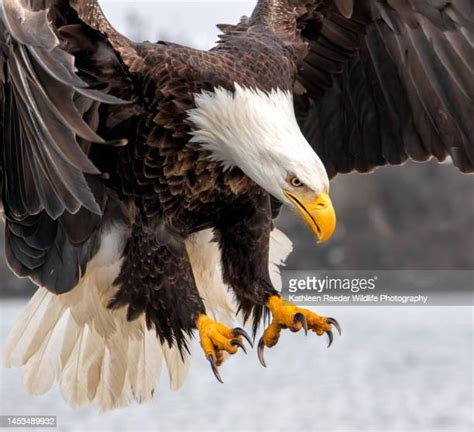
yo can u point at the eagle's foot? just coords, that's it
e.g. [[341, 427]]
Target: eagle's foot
[[286, 315], [216, 339]]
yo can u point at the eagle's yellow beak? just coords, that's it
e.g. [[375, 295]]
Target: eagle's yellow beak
[[318, 213]]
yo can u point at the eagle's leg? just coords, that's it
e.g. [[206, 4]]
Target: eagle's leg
[[245, 249], [157, 280], [216, 339], [286, 315], [244, 240]]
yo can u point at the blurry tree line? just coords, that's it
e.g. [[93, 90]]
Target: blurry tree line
[[417, 216]]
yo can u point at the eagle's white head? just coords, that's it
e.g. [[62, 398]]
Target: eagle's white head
[[258, 132]]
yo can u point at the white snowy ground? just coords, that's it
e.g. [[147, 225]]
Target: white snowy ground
[[394, 369]]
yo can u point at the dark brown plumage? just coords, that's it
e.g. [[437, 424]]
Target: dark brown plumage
[[95, 132]]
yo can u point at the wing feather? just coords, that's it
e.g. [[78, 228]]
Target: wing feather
[[53, 194], [44, 123], [367, 62]]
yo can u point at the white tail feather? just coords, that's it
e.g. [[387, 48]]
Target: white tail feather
[[112, 390], [146, 359], [95, 353], [42, 370], [177, 368], [23, 339], [82, 370]]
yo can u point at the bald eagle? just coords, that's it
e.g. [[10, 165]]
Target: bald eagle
[[140, 180]]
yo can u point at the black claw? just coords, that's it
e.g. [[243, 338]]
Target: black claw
[[260, 349], [335, 324], [302, 319], [212, 361], [330, 336], [241, 332], [236, 342]]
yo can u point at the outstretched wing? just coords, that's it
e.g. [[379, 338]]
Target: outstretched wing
[[65, 77], [50, 113], [62, 67], [387, 80]]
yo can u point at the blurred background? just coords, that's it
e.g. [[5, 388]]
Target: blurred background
[[399, 368]]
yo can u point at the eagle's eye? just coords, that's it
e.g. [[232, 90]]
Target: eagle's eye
[[296, 182]]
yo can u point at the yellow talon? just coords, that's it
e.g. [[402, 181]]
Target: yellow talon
[[214, 336], [287, 315], [216, 339]]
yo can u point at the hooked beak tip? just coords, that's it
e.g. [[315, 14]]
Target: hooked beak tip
[[317, 212]]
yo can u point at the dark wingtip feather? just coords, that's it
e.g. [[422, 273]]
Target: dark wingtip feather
[[406, 92]]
